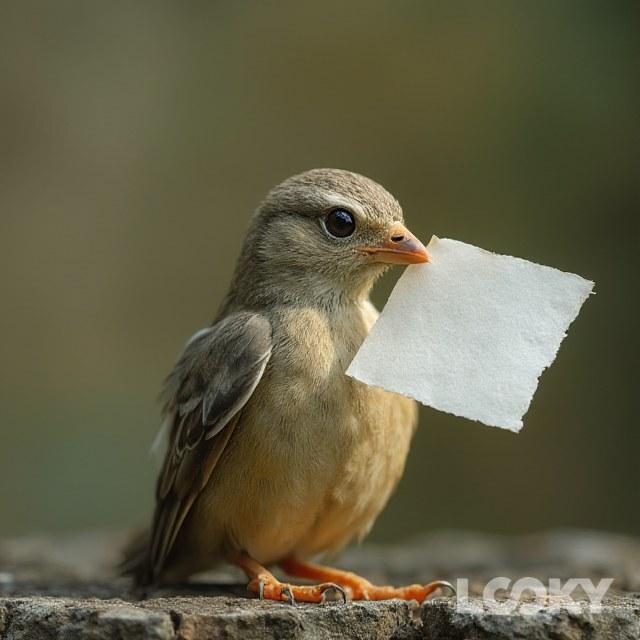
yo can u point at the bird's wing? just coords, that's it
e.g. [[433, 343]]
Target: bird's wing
[[209, 385]]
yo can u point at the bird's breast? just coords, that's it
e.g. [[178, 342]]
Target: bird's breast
[[312, 418], [312, 351], [317, 453]]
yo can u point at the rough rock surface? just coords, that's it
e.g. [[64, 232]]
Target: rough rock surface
[[66, 588]]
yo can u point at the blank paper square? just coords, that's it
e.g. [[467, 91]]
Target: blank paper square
[[471, 332]]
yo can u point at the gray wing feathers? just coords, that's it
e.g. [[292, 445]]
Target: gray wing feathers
[[211, 382]]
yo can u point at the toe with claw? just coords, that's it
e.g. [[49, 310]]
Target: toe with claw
[[332, 587]]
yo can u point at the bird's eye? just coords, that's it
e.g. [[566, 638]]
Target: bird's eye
[[340, 223]]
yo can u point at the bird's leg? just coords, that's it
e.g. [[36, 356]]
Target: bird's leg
[[358, 587], [266, 586]]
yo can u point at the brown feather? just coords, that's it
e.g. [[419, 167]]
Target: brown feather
[[240, 346]]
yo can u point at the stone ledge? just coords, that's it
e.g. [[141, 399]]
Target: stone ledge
[[65, 588]]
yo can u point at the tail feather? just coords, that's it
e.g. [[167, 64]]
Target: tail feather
[[135, 561]]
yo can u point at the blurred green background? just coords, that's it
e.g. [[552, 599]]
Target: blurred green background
[[138, 137]]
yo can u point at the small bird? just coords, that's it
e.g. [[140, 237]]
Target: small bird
[[274, 455]]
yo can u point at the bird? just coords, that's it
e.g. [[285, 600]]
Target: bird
[[273, 454]]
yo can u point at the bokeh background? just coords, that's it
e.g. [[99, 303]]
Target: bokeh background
[[136, 139]]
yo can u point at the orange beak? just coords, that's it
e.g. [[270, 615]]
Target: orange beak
[[401, 247]]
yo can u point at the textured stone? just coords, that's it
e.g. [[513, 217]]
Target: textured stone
[[65, 588]]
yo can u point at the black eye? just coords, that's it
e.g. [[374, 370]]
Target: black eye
[[340, 223]]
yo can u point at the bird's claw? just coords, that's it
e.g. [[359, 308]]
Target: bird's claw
[[443, 584], [288, 593], [261, 589], [335, 588]]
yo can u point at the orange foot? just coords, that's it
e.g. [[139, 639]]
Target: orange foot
[[266, 586], [343, 583], [358, 587]]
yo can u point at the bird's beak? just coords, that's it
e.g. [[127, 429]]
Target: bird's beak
[[400, 247]]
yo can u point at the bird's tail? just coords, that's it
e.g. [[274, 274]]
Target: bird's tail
[[135, 560]]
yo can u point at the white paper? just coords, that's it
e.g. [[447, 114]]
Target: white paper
[[470, 332]]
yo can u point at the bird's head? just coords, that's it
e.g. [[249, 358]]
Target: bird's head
[[327, 231]]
